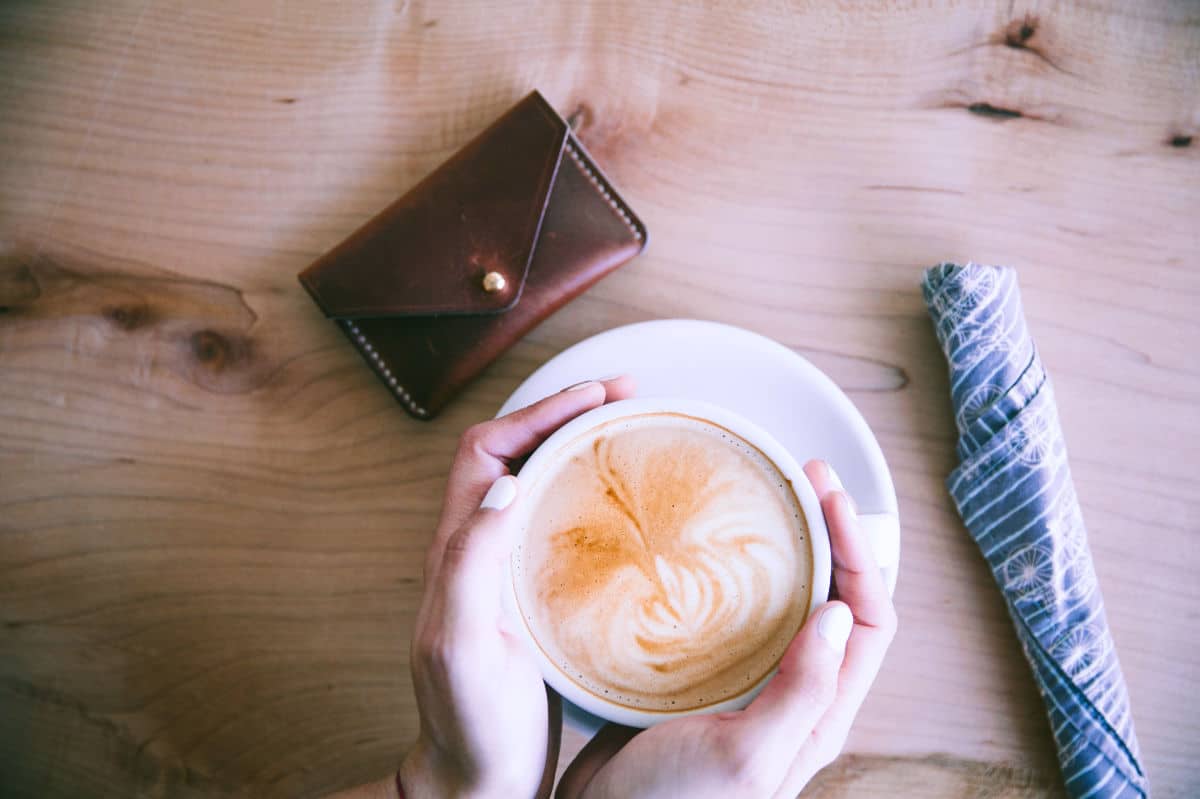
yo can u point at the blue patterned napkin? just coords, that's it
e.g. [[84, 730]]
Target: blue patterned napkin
[[1014, 492]]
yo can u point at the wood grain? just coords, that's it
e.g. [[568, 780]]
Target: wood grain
[[213, 516]]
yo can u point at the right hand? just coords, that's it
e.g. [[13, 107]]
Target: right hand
[[795, 727]]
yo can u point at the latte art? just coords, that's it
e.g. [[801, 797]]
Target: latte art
[[666, 563]]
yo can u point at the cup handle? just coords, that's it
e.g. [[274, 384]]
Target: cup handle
[[883, 532]]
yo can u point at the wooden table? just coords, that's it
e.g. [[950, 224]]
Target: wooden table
[[213, 515]]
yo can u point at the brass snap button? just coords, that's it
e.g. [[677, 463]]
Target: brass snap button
[[493, 282]]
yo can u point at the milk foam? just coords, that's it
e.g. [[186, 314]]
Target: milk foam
[[666, 564]]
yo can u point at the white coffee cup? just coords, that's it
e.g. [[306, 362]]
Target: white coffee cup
[[746, 430]]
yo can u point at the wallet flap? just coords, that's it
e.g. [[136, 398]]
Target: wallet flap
[[434, 251]]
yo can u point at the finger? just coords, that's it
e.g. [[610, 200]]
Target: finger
[[796, 698], [861, 586], [800, 774], [553, 742], [828, 737], [825, 480], [820, 746], [604, 745], [486, 449], [859, 582], [616, 388], [619, 387], [470, 580], [518, 433]]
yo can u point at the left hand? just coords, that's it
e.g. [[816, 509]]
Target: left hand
[[486, 729]]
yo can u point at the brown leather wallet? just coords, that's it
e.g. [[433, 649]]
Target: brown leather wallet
[[514, 225]]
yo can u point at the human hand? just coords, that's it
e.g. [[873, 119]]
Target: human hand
[[795, 727], [486, 729]]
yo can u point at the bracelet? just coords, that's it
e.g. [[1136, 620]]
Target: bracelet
[[399, 786]]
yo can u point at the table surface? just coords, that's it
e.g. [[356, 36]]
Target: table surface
[[213, 515]]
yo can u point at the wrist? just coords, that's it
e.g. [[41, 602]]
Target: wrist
[[423, 774], [428, 771]]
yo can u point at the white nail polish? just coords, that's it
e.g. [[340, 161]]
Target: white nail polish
[[501, 494], [580, 386], [835, 625]]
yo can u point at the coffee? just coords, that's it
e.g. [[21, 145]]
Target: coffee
[[666, 563]]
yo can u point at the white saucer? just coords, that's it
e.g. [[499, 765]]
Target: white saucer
[[750, 375]]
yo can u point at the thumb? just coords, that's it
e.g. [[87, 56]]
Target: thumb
[[603, 747], [474, 565], [796, 698]]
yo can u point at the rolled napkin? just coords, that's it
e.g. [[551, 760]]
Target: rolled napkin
[[1014, 492]]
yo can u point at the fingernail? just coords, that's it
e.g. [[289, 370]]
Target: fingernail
[[580, 386], [833, 477], [835, 625], [840, 486], [606, 379], [501, 494], [851, 508]]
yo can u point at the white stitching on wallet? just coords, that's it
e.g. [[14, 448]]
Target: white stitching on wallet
[[618, 208], [383, 369], [360, 339]]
